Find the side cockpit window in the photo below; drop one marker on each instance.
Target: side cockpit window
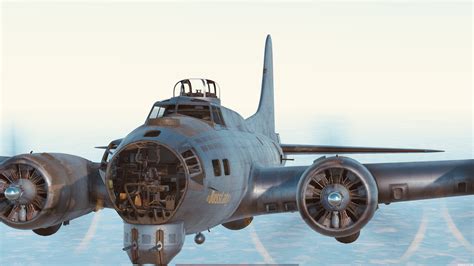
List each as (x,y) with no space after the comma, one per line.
(217,116)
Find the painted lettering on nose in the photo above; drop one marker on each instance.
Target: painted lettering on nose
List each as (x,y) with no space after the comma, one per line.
(215,197)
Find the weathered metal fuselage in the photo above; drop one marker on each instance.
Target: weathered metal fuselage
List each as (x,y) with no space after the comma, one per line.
(211,198)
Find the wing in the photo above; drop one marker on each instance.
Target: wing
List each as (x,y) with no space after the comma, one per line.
(422,180)
(323,149)
(337,196)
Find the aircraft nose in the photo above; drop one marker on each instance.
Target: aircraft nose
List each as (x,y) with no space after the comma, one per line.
(146,181)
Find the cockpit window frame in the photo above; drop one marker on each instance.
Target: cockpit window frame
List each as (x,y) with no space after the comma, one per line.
(217,116)
(159,113)
(160,105)
(187,87)
(206,108)
(172,108)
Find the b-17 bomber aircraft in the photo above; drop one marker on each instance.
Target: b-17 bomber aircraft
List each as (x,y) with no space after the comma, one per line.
(195,164)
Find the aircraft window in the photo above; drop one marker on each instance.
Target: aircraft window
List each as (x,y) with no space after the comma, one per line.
(170,109)
(217,115)
(160,111)
(196,111)
(157,112)
(197,88)
(217,167)
(192,162)
(212,89)
(226,167)
(188,90)
(152,133)
(187,154)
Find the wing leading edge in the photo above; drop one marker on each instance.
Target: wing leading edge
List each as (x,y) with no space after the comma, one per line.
(323,149)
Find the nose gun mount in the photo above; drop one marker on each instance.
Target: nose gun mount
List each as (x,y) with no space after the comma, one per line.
(157,244)
(146,182)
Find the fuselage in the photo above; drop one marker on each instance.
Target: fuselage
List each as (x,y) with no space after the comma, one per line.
(226,151)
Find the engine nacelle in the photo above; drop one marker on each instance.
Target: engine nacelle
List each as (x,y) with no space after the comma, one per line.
(337,196)
(41,191)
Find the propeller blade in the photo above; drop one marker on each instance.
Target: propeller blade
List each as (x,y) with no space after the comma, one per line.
(91,231)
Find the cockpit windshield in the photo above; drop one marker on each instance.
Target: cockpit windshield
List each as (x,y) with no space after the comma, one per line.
(161,111)
(200,111)
(157,112)
(196,111)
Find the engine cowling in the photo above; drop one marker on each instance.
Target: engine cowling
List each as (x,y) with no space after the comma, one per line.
(41,191)
(337,197)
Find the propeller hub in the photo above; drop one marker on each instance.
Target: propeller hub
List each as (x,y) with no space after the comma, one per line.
(13,193)
(335,198)
(23,191)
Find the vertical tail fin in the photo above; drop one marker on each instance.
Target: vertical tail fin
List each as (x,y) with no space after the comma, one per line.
(263,121)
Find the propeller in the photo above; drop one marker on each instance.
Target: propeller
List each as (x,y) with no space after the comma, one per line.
(23,193)
(22,189)
(92,229)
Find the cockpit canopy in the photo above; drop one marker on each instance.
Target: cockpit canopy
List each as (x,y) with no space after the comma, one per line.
(201,88)
(198,98)
(203,111)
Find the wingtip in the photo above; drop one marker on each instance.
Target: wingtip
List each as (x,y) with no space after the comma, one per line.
(101,147)
(433,151)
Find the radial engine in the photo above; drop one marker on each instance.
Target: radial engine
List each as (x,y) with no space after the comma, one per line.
(337,197)
(41,191)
